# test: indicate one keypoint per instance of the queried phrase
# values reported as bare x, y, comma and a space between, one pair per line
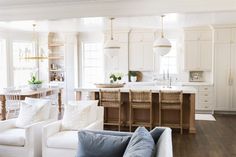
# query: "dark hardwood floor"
213, 139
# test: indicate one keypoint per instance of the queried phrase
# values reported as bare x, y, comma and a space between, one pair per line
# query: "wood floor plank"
213, 139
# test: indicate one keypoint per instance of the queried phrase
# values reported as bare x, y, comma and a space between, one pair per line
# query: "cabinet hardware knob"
206, 101
206, 94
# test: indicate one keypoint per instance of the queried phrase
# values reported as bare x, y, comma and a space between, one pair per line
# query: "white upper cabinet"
198, 50
205, 55
141, 51
192, 58
197, 35
222, 36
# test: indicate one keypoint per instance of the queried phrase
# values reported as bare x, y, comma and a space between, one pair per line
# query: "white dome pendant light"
162, 45
111, 47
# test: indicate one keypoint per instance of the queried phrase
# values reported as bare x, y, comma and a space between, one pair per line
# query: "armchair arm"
100, 113
7, 124
33, 132
50, 130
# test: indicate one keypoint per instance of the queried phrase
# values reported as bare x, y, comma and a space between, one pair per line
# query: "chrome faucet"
170, 82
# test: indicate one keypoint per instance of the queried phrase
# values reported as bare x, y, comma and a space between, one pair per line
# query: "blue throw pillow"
141, 144
92, 144
156, 133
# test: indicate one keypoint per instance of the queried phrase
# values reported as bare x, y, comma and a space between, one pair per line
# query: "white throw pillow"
27, 114
44, 112
92, 117
77, 115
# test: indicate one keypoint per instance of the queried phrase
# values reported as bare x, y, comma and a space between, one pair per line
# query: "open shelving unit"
56, 58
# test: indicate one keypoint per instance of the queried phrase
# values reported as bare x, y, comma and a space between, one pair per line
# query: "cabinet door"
191, 35
135, 56
222, 66
148, 56
233, 76
192, 59
222, 35
205, 55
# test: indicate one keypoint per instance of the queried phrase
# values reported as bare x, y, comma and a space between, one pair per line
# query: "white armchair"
61, 143
22, 142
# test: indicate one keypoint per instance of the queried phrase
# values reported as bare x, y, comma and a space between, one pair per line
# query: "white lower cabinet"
204, 97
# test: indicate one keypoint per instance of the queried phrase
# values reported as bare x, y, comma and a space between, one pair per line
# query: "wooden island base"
168, 117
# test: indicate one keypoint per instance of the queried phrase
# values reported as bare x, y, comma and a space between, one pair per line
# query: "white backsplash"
182, 77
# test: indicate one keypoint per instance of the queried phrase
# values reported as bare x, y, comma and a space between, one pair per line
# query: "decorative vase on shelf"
133, 78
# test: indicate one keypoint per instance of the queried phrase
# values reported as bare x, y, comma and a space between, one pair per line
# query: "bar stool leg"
181, 121
130, 119
151, 118
119, 119
159, 114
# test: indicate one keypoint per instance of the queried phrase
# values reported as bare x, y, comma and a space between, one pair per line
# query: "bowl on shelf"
109, 85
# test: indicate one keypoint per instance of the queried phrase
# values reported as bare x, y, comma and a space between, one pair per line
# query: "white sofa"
60, 143
23, 142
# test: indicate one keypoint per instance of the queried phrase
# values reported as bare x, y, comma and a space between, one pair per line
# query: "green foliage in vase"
33, 80
132, 73
116, 77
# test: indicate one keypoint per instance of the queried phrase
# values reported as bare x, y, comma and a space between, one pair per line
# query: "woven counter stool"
140, 100
171, 100
110, 98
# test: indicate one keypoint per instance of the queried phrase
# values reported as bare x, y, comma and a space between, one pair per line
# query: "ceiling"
171, 21
61, 9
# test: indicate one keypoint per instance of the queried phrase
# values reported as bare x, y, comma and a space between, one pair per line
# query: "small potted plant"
133, 76
35, 83
115, 77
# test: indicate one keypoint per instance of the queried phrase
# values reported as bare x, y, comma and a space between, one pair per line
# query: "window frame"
35, 65
158, 59
83, 61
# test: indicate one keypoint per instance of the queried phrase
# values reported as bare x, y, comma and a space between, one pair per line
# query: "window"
22, 67
92, 63
3, 68
169, 61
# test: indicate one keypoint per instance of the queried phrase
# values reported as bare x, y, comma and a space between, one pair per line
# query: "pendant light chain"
112, 28
162, 30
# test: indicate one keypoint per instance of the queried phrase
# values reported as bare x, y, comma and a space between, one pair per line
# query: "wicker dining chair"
110, 98
140, 100
13, 102
171, 100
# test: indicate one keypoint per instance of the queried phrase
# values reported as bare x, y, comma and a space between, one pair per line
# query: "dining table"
33, 94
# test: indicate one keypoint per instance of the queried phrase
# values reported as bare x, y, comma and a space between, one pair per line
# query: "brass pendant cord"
162, 31
112, 28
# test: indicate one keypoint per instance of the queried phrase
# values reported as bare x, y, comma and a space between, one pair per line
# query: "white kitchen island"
189, 94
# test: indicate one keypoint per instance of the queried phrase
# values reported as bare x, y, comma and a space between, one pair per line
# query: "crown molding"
108, 8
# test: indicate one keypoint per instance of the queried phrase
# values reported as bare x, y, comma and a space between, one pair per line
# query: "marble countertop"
154, 89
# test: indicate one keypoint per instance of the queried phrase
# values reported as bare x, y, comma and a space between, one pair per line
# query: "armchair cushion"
78, 115
44, 112
13, 137
27, 114
93, 144
63, 140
